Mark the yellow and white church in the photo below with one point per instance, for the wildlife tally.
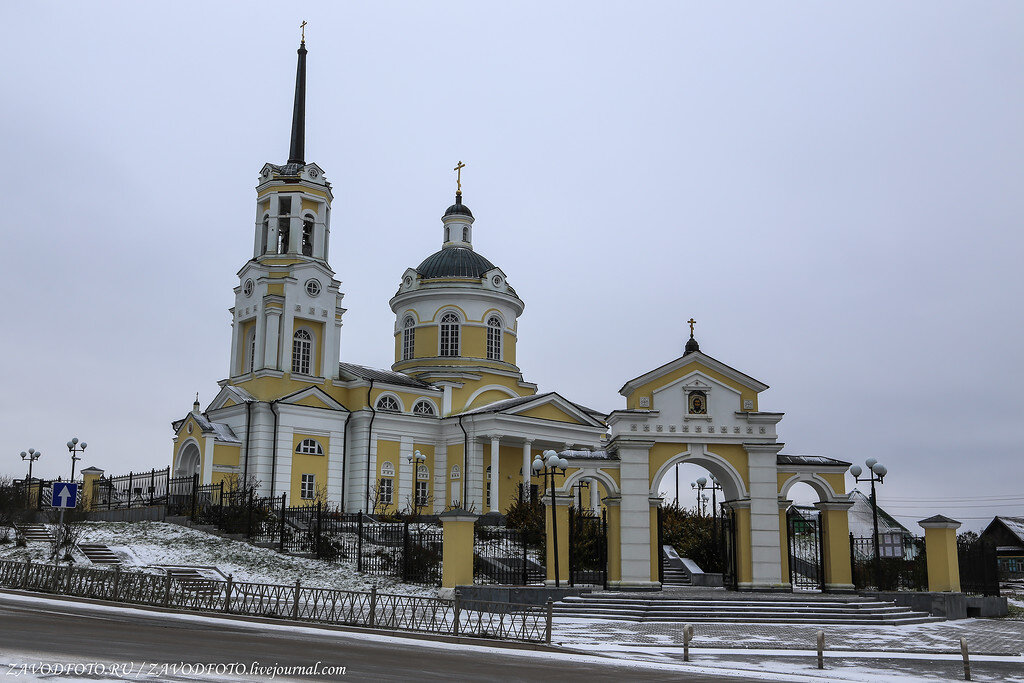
(453, 423)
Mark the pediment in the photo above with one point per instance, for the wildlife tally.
(687, 365)
(553, 407)
(312, 397)
(229, 396)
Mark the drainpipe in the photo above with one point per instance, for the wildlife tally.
(465, 463)
(273, 450)
(245, 467)
(369, 441)
(344, 457)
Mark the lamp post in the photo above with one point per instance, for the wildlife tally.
(32, 455)
(699, 487)
(75, 448)
(876, 472)
(549, 468)
(416, 459)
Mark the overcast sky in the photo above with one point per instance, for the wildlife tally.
(833, 191)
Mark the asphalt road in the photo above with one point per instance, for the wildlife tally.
(71, 632)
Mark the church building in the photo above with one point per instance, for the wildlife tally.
(454, 422)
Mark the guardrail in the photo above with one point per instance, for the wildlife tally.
(500, 620)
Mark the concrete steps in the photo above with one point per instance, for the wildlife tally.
(675, 577)
(97, 553)
(35, 532)
(740, 611)
(194, 581)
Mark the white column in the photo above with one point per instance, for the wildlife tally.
(440, 483)
(335, 460)
(272, 338)
(207, 476)
(283, 475)
(635, 517)
(527, 461)
(495, 479)
(237, 354)
(406, 475)
(287, 323)
(765, 546)
(595, 496)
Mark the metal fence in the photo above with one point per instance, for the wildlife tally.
(979, 567)
(507, 621)
(902, 564)
(38, 493)
(503, 556)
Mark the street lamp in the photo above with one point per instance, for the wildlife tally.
(699, 487)
(75, 448)
(876, 472)
(32, 455)
(549, 467)
(415, 459)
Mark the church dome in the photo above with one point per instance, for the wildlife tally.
(458, 209)
(454, 262)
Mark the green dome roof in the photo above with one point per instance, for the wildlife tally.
(454, 262)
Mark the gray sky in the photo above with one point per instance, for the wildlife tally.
(832, 191)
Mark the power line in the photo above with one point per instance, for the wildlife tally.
(955, 505)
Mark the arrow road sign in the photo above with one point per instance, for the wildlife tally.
(65, 495)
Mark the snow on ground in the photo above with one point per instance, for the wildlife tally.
(143, 545)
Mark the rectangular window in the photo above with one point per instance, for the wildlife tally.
(386, 491)
(408, 342)
(422, 494)
(308, 488)
(890, 545)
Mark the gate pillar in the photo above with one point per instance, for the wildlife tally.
(557, 529)
(611, 505)
(457, 548)
(741, 543)
(836, 546)
(941, 553)
(90, 476)
(784, 541)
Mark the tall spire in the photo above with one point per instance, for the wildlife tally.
(297, 152)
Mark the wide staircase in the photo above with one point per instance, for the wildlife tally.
(767, 608)
(674, 576)
(98, 553)
(35, 532)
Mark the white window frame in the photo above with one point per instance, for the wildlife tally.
(408, 338)
(307, 487)
(386, 490)
(389, 397)
(297, 355)
(430, 408)
(422, 473)
(494, 337)
(421, 495)
(456, 473)
(449, 334)
(387, 469)
(309, 447)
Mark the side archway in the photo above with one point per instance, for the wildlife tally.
(189, 459)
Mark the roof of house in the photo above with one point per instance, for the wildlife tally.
(860, 518)
(785, 459)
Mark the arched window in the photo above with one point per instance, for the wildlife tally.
(250, 351)
(302, 352)
(387, 469)
(465, 234)
(456, 472)
(408, 338)
(283, 224)
(264, 234)
(494, 338)
(423, 408)
(307, 235)
(309, 447)
(423, 473)
(388, 404)
(449, 335)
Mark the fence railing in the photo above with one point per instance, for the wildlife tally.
(901, 565)
(484, 619)
(38, 493)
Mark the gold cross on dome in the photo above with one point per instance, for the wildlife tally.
(692, 323)
(303, 27)
(458, 177)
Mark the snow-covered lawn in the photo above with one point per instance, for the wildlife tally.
(143, 545)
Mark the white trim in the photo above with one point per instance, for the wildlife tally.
(489, 387)
(398, 399)
(589, 473)
(699, 455)
(177, 458)
(433, 407)
(826, 494)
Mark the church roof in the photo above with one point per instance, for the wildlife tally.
(363, 372)
(454, 262)
(513, 402)
(785, 459)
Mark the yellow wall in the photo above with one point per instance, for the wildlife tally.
(648, 389)
(317, 329)
(225, 454)
(734, 454)
(549, 412)
(243, 357)
(303, 463)
(388, 451)
(454, 457)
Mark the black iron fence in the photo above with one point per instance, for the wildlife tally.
(588, 549)
(38, 493)
(979, 567)
(504, 556)
(508, 621)
(902, 563)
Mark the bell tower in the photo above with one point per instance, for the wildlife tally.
(286, 320)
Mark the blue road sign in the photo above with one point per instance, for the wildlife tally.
(65, 495)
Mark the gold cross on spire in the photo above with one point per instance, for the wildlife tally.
(303, 27)
(458, 177)
(692, 323)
